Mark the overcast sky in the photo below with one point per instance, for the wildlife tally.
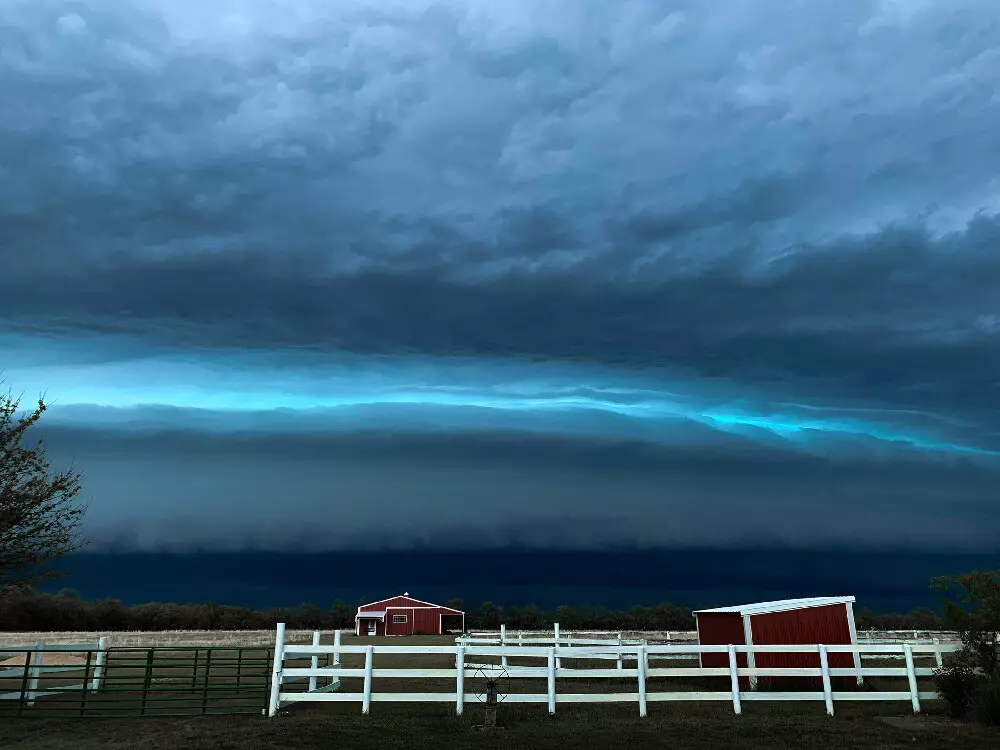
(552, 272)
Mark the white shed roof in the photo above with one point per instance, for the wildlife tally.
(783, 605)
(370, 615)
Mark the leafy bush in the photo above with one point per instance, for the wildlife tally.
(985, 704)
(970, 681)
(957, 684)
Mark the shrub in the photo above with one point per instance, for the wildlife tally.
(984, 706)
(970, 682)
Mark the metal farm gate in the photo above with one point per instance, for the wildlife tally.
(129, 682)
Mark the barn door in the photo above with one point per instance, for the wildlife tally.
(371, 627)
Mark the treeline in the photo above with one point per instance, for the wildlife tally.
(26, 610)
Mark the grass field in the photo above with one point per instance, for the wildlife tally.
(599, 726)
(679, 724)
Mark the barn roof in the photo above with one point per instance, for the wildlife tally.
(782, 605)
(418, 603)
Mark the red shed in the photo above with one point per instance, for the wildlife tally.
(404, 615)
(827, 620)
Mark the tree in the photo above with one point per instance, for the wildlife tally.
(971, 681)
(40, 518)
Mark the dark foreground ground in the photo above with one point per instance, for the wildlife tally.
(792, 725)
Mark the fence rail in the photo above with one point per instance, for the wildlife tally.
(735, 677)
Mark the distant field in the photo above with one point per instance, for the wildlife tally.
(218, 637)
(157, 638)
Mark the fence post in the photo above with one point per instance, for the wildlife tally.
(148, 679)
(620, 665)
(366, 703)
(85, 687)
(734, 680)
(276, 670)
(641, 663)
(204, 692)
(552, 679)
(36, 670)
(937, 653)
(556, 642)
(912, 677)
(314, 662)
(645, 655)
(824, 668)
(503, 642)
(102, 645)
(460, 680)
(336, 654)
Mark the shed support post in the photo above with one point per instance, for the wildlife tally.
(734, 680)
(748, 639)
(824, 668)
(854, 640)
(279, 661)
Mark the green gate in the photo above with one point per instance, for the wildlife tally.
(126, 682)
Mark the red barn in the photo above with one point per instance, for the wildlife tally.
(818, 620)
(404, 615)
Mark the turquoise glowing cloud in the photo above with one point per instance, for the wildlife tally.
(339, 392)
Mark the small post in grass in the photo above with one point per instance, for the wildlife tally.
(366, 703)
(734, 680)
(911, 675)
(552, 679)
(824, 668)
(642, 665)
(459, 680)
(278, 666)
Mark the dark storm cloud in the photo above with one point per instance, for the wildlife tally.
(183, 490)
(898, 315)
(760, 202)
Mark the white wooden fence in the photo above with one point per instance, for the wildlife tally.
(34, 657)
(640, 654)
